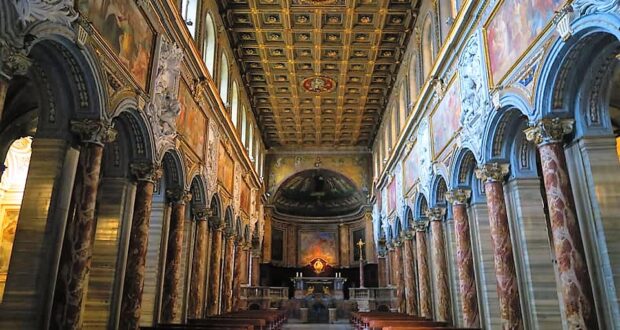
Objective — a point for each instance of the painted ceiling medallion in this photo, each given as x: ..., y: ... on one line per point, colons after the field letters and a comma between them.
x: 318, y: 2
x: 319, y: 84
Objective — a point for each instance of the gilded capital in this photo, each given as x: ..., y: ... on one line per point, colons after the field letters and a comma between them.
x: 458, y: 196
x: 146, y: 171
x: 200, y: 213
x: 436, y: 213
x: 549, y: 130
x: 93, y: 131
x: 15, y: 62
x: 178, y: 195
x: 492, y: 171
x: 421, y: 226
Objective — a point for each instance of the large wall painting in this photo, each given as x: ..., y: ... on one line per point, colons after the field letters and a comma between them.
x: 410, y: 168
x: 512, y: 28
x: 191, y: 122
x: 226, y: 169
x: 126, y: 30
x: 445, y: 119
x: 317, y: 244
x: 244, y: 198
x: 391, y: 192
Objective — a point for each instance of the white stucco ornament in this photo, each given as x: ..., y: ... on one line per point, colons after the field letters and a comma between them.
x: 55, y: 11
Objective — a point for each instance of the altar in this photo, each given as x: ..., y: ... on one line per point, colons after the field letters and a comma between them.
x: 319, y: 287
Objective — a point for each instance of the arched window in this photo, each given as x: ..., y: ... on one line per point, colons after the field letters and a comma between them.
x: 243, y: 126
x: 234, y: 105
x: 224, y: 79
x: 209, y: 44
x: 413, y: 79
x: 250, y: 139
x: 428, y: 50
x: 189, y: 9
x: 402, y: 104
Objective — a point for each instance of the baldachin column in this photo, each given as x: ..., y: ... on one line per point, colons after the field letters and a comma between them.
x: 199, y: 266
x: 76, y: 255
x: 426, y: 309
x: 409, y: 274
x: 146, y: 175
x: 464, y: 257
x: 577, y: 296
x: 438, y: 248
x: 492, y: 174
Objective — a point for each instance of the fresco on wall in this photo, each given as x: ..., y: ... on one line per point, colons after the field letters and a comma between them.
x: 317, y: 244
x: 244, y: 197
x: 410, y: 173
x: 226, y: 169
x: 445, y: 119
x: 126, y: 30
x: 191, y: 122
x: 391, y: 194
x: 277, y: 245
x: 514, y: 25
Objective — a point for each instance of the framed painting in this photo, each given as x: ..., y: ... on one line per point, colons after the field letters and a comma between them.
x: 191, y: 122
x: 513, y: 26
x: 391, y: 196
x: 244, y: 197
x: 410, y: 168
x: 445, y: 119
x: 226, y: 169
x: 317, y: 244
x: 277, y: 244
x: 126, y: 30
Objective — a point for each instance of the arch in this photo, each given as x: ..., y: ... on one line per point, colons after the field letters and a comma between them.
x: 238, y: 229
x: 247, y: 236
x: 428, y: 44
x: 216, y: 207
x: 462, y: 174
x: 438, y: 191
x: 199, y: 192
x: 228, y: 219
x: 414, y: 72
x: 173, y: 169
x: 209, y: 44
x: 397, y: 228
x: 224, y: 77
x: 408, y: 218
x: 500, y: 127
x: 420, y: 207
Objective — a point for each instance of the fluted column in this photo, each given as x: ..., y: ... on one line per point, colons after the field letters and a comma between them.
x: 237, y: 278
x: 464, y: 258
x: 492, y: 174
x: 199, y: 266
x: 574, y: 277
x: 214, y: 269
x: 172, y: 272
x: 398, y: 274
x: 438, y: 248
x: 426, y: 309
x: 146, y: 174
x: 411, y: 306
x: 76, y: 254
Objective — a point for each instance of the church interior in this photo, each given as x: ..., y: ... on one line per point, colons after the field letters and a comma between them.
x: 309, y: 164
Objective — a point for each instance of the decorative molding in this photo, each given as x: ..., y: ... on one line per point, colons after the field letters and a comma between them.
x: 492, y: 172
x: 436, y: 213
x: 458, y: 196
x: 562, y: 21
x: 93, y: 131
x: 146, y: 171
x: 549, y: 130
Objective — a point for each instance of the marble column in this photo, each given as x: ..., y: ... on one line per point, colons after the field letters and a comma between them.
x: 76, y: 254
x: 255, y: 260
x: 464, y: 258
x: 390, y: 265
x: 245, y: 262
x: 440, y: 265
x: 171, y: 303
x: 214, y: 269
x: 237, y: 278
x: 229, y: 263
x: 382, y: 269
x: 146, y: 174
x: 492, y: 174
x: 577, y: 296
x: 398, y: 274
x: 426, y: 309
x: 199, y: 266
x: 411, y: 306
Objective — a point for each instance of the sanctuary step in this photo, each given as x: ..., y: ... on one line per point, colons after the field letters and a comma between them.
x: 394, y: 321
x: 242, y: 320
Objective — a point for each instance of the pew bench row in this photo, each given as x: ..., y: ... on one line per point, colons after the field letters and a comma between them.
x: 393, y: 321
x: 243, y: 320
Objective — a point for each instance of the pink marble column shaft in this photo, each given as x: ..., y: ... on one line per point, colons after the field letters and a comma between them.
x: 400, y: 279
x: 507, y: 288
x: 131, y: 304
x: 382, y: 268
x: 255, y: 259
x: 76, y: 254
x: 440, y: 264
x: 409, y: 275
x: 573, y: 274
x: 229, y: 262
x: 237, y: 279
x: 214, y: 270
x: 426, y: 309
x: 391, y: 271
x: 199, y: 267
x: 464, y: 258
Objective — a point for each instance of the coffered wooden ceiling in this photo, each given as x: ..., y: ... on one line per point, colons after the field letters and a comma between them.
x: 319, y: 72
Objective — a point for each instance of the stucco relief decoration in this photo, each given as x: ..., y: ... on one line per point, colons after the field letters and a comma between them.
x: 474, y: 99
x: 398, y: 177
x: 425, y: 166
x: 585, y: 7
x: 212, y: 158
x: 164, y: 107
x: 319, y: 84
x: 237, y: 188
x: 55, y: 11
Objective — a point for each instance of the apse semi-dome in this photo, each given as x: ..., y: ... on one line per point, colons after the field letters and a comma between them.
x: 318, y: 193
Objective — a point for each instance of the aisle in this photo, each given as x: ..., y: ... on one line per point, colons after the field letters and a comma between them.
x: 339, y: 325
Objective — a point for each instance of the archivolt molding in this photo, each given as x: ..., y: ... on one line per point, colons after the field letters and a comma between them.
x: 586, y: 7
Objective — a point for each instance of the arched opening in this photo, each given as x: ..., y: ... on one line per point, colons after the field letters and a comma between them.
x: 224, y: 72
x: 12, y: 184
x: 209, y: 44
x: 428, y: 45
x: 234, y: 106
x: 189, y: 11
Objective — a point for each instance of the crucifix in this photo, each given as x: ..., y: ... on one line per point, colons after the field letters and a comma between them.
x: 361, y: 244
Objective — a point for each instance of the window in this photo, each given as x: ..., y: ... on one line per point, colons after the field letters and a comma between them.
x: 209, y: 44
x: 402, y: 105
x: 243, y: 126
x: 250, y: 140
x: 428, y: 48
x: 234, y: 107
x: 189, y: 8
x: 224, y: 79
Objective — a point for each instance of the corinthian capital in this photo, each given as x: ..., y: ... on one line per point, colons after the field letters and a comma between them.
x: 458, y: 196
x: 146, y: 171
x: 93, y: 131
x: 436, y: 213
x: 420, y: 226
x: 492, y: 171
x: 178, y: 195
x: 549, y: 130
